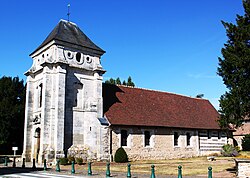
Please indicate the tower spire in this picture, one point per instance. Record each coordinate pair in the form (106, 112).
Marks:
(68, 14)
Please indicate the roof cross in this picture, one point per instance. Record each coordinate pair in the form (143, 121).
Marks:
(68, 14)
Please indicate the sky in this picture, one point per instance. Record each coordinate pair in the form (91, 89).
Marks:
(164, 45)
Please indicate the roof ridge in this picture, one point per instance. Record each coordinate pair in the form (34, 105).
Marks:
(161, 91)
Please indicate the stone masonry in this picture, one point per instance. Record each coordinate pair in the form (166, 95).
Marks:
(64, 97)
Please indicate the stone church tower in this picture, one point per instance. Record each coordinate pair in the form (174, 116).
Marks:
(64, 105)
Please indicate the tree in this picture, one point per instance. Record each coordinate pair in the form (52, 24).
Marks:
(130, 83)
(124, 82)
(246, 143)
(118, 82)
(234, 68)
(12, 101)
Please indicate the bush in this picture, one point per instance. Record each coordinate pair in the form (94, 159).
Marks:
(121, 156)
(246, 143)
(228, 151)
(71, 158)
(79, 161)
(63, 161)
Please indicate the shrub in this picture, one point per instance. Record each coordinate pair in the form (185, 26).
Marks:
(246, 143)
(63, 161)
(70, 159)
(79, 161)
(238, 149)
(121, 156)
(228, 151)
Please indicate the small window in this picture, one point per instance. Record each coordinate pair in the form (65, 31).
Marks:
(176, 137)
(124, 137)
(188, 139)
(37, 132)
(147, 138)
(40, 95)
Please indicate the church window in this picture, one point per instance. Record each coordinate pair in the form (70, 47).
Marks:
(176, 137)
(124, 137)
(40, 94)
(37, 133)
(78, 57)
(147, 138)
(77, 98)
(188, 139)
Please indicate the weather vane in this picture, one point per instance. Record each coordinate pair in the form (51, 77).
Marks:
(68, 14)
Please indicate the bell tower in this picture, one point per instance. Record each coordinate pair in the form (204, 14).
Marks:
(64, 98)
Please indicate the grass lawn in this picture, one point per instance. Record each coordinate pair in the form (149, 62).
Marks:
(190, 166)
(244, 154)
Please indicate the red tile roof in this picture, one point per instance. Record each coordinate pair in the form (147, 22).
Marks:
(244, 129)
(141, 107)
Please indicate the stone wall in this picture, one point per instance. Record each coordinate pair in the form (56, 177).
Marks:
(242, 168)
(162, 143)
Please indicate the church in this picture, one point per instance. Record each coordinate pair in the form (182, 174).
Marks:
(70, 111)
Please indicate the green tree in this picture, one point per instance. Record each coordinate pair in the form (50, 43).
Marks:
(118, 81)
(124, 82)
(130, 83)
(234, 68)
(12, 101)
(246, 143)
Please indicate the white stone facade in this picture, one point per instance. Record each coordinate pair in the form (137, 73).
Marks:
(63, 104)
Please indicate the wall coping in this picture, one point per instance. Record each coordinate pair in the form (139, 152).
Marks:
(242, 160)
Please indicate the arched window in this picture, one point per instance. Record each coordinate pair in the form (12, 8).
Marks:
(37, 132)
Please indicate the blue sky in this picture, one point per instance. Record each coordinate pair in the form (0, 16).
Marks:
(164, 45)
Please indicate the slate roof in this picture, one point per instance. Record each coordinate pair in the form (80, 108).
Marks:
(140, 107)
(70, 33)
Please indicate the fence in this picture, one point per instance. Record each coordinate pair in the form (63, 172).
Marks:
(89, 172)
